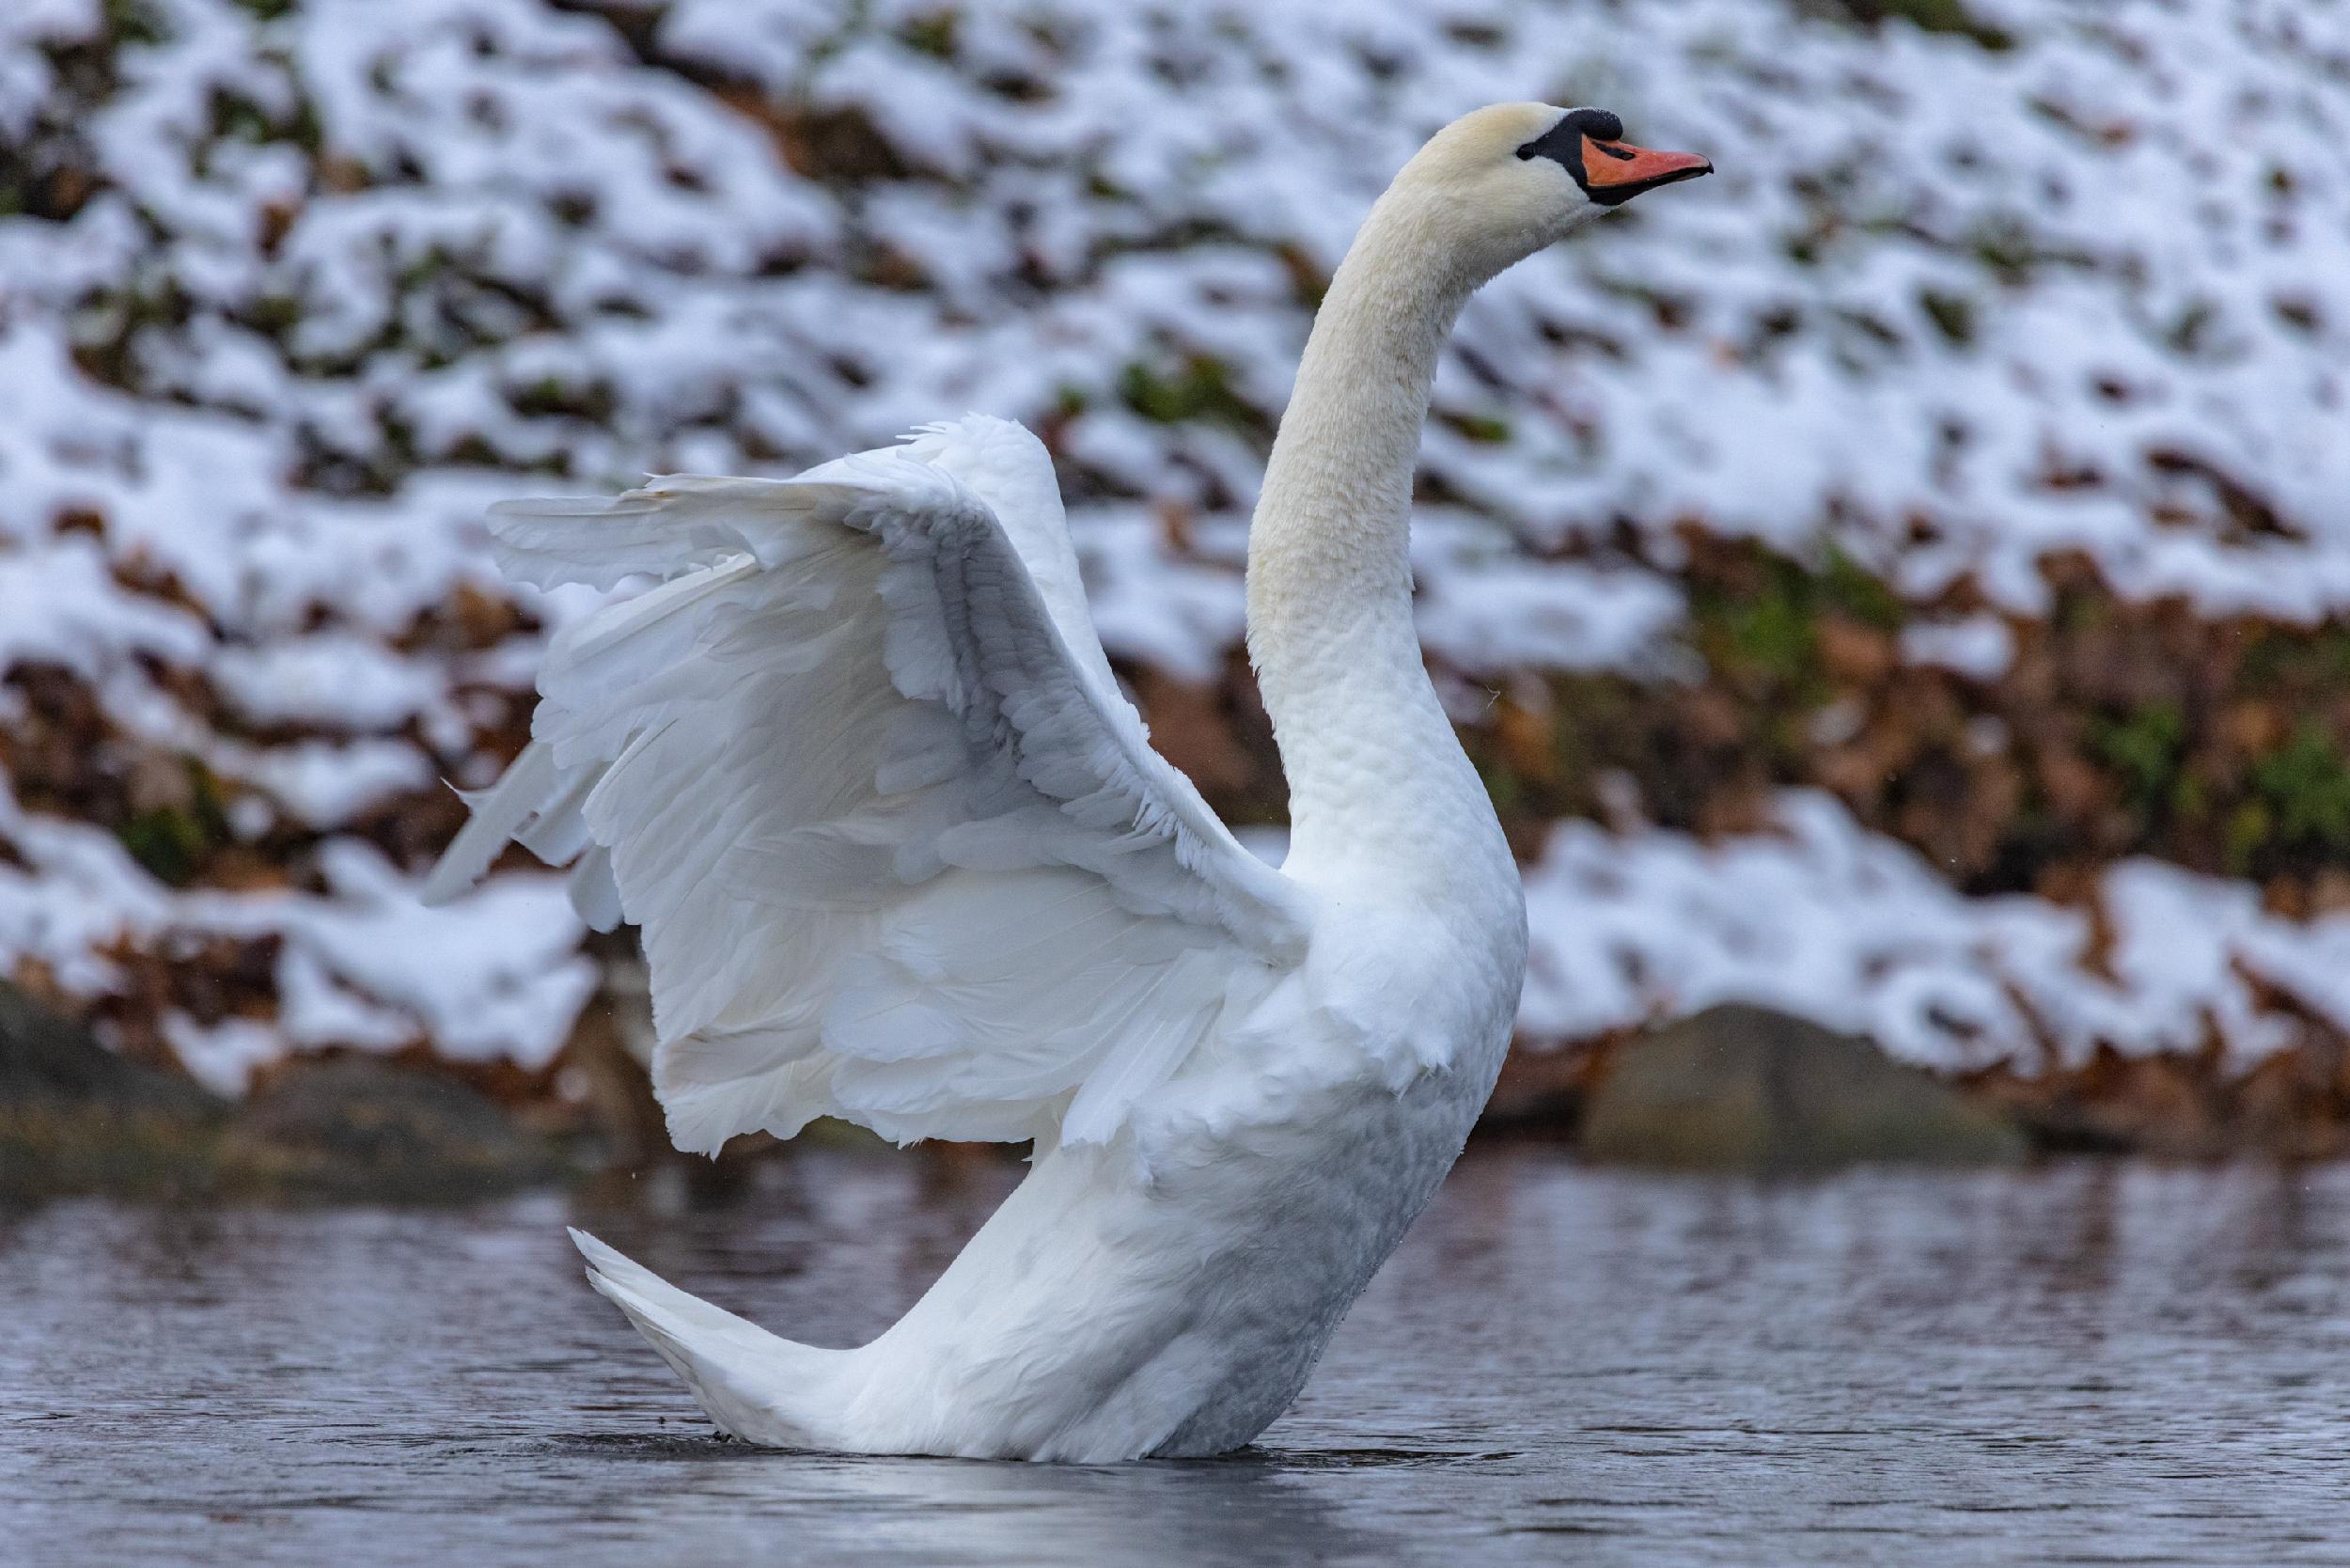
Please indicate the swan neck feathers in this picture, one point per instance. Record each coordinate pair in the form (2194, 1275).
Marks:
(1364, 740)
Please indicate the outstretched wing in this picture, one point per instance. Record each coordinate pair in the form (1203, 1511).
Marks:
(899, 851)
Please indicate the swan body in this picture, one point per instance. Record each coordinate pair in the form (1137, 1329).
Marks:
(901, 853)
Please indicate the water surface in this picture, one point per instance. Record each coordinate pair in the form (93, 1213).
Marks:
(2083, 1363)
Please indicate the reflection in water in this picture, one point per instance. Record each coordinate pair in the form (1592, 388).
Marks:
(2089, 1360)
(934, 1510)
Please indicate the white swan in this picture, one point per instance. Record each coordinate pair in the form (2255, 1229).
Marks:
(901, 853)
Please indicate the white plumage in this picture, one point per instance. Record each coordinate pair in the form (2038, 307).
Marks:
(901, 853)
(899, 848)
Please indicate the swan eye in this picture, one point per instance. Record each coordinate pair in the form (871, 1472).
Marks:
(1566, 137)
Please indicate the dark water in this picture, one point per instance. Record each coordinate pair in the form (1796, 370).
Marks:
(2088, 1363)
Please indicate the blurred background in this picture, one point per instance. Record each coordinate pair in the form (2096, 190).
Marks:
(1894, 588)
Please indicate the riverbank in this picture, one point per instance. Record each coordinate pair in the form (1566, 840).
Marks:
(1735, 1089)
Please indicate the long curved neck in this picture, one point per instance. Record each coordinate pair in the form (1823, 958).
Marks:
(1363, 739)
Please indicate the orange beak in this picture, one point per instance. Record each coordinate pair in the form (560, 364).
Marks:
(1618, 171)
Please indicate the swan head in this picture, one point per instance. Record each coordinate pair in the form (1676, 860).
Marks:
(1502, 183)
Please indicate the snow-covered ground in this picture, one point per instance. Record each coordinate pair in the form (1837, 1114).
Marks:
(1857, 931)
(330, 278)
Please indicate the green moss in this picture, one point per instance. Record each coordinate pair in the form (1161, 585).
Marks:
(2005, 246)
(937, 34)
(2278, 660)
(2083, 615)
(2306, 788)
(1774, 633)
(551, 397)
(421, 270)
(1953, 315)
(236, 117)
(174, 842)
(2249, 829)
(2190, 798)
(169, 842)
(1479, 427)
(1766, 629)
(133, 22)
(2145, 746)
(1768, 634)
(274, 315)
(1852, 588)
(1198, 388)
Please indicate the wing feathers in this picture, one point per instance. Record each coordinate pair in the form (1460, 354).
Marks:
(499, 813)
(899, 848)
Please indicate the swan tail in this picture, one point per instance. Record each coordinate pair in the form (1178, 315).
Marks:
(755, 1385)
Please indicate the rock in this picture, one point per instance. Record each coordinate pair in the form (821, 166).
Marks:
(1541, 1092)
(52, 1059)
(360, 1129)
(1745, 1088)
(76, 1117)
